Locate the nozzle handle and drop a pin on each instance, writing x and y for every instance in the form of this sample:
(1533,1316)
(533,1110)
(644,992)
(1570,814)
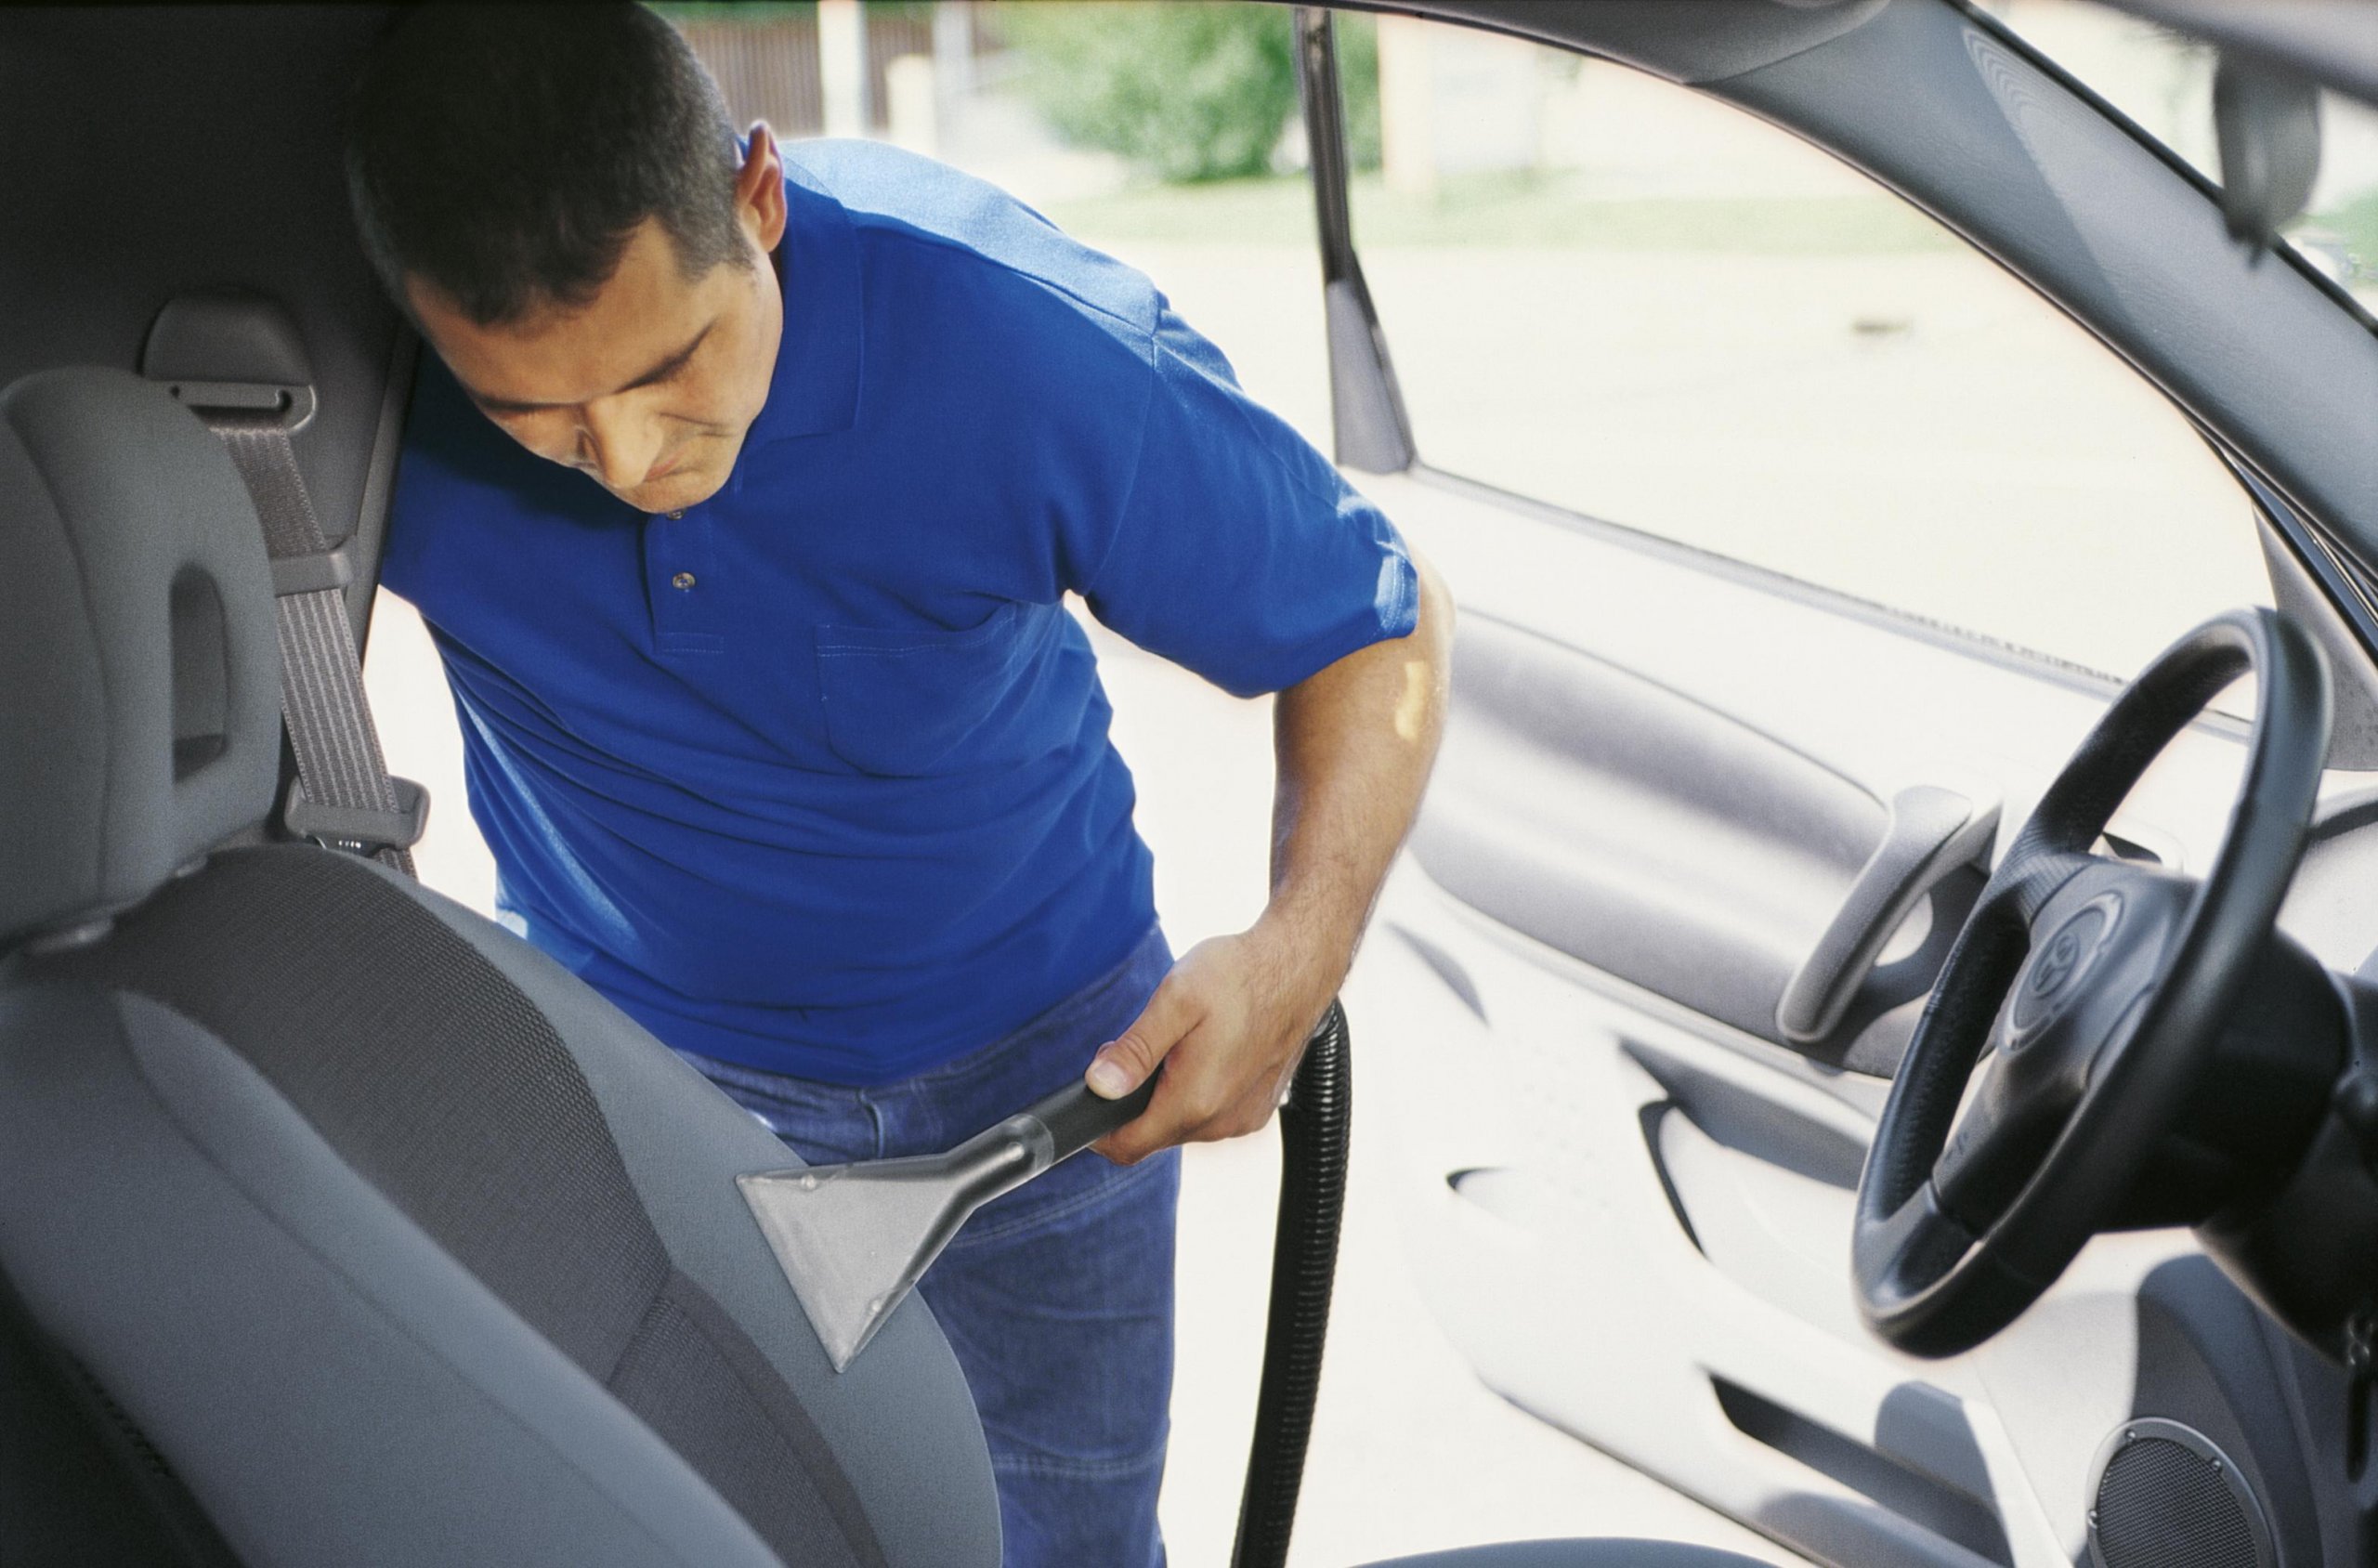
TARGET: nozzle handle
(1076,1118)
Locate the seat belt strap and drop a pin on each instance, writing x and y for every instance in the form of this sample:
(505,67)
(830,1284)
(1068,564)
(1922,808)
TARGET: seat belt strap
(344,797)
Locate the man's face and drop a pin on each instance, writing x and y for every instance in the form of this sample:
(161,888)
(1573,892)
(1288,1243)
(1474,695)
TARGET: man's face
(651,386)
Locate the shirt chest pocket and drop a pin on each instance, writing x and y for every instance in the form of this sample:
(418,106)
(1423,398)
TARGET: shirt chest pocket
(912,702)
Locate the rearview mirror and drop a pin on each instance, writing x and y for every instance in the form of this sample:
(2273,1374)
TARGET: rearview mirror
(2268,122)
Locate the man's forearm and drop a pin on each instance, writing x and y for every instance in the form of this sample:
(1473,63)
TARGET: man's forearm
(1354,744)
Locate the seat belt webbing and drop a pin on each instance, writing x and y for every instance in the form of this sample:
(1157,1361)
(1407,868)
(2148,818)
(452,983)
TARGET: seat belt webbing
(349,799)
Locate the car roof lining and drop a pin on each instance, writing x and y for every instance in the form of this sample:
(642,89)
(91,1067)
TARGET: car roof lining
(2334,42)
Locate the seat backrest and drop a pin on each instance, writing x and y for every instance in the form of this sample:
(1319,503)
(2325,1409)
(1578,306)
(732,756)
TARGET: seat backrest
(394,1241)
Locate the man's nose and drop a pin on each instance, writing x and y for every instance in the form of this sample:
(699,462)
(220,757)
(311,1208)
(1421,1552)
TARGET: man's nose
(623,443)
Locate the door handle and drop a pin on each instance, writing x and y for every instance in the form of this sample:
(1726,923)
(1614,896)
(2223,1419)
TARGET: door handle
(1931,832)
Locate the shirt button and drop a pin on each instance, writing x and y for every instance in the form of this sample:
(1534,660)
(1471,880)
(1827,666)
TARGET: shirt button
(683,580)
(676,514)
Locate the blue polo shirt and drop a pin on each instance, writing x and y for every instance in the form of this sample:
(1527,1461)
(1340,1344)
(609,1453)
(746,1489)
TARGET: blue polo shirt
(815,778)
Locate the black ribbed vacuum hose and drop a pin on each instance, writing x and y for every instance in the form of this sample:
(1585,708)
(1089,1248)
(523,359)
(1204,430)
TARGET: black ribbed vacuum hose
(1314,1125)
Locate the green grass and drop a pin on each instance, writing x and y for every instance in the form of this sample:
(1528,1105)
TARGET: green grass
(1510,209)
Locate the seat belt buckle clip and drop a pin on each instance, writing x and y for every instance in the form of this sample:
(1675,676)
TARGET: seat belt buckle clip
(357,829)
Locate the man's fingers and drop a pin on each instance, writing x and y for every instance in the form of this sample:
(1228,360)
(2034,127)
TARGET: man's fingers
(1183,1101)
(1124,1063)
(1222,1071)
(1185,1111)
(1196,1102)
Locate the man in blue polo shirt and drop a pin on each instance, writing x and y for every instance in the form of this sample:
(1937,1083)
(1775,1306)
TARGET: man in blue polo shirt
(743,495)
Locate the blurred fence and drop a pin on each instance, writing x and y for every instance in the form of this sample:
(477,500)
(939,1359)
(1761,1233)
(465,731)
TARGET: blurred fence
(768,66)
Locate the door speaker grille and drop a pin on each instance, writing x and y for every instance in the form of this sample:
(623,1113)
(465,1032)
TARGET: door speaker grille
(2166,1497)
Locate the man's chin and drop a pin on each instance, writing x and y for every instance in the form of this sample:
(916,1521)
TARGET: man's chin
(674,492)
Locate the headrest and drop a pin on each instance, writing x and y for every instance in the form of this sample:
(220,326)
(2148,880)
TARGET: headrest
(141,719)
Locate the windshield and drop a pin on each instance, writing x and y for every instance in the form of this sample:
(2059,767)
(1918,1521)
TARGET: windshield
(2164,82)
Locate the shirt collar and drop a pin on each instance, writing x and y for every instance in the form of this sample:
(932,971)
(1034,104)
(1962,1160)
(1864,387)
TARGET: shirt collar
(814,389)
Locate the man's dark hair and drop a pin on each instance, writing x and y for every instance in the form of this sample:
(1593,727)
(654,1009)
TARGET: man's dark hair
(505,153)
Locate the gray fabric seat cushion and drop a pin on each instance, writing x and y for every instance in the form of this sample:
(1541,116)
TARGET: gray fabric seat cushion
(402,1246)
(903,1424)
(330,1385)
(77,1483)
(1577,1554)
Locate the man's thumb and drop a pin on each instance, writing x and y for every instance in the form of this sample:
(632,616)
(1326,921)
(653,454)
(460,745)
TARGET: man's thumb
(1124,1063)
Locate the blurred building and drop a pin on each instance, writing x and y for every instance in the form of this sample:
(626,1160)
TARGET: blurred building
(843,68)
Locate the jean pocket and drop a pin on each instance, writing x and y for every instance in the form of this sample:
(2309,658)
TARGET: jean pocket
(916,701)
(823,1123)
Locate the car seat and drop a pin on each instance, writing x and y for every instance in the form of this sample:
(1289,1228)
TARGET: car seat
(337,1223)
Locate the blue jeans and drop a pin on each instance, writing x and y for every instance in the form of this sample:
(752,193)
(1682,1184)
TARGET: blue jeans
(1058,1295)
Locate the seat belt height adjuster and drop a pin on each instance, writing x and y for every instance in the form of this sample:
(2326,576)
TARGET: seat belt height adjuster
(359,829)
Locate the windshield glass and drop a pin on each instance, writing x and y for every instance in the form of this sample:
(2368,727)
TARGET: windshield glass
(2163,81)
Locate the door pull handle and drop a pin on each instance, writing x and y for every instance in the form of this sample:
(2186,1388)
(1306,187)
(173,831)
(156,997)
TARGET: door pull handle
(1932,831)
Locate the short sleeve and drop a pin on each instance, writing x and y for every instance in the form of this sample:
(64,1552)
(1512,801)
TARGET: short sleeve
(1239,552)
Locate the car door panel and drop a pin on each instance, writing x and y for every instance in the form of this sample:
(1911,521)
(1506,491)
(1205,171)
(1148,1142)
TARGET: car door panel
(1710,860)
(1559,1260)
(1717,866)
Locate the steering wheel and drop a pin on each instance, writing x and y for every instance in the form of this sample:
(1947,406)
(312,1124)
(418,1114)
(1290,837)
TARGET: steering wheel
(2081,1004)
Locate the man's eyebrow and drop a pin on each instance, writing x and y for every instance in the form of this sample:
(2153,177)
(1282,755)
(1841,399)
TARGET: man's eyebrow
(661,371)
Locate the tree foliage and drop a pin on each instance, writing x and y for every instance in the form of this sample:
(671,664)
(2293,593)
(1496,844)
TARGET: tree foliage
(1188,89)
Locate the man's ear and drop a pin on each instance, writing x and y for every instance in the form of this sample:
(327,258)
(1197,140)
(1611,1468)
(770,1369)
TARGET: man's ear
(759,188)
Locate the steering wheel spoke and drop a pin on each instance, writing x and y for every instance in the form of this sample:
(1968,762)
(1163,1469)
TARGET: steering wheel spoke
(2010,1121)
(2033,882)
(1905,1255)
